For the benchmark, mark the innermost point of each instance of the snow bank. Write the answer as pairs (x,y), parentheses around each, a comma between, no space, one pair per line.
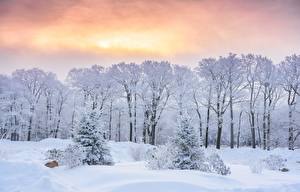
(22,169)
(128,151)
(28,177)
(25,151)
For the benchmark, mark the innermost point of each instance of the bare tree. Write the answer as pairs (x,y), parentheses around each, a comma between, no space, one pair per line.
(234,72)
(157,81)
(271,94)
(212,71)
(33,82)
(128,76)
(252,66)
(290,73)
(61,99)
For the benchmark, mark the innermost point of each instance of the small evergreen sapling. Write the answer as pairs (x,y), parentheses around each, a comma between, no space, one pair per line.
(188,154)
(90,137)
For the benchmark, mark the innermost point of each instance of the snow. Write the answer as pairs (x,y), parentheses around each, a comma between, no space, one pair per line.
(22,170)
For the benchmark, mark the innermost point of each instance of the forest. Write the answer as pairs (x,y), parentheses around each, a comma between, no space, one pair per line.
(232,101)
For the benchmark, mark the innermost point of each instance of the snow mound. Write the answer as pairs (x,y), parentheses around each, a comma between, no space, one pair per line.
(28,177)
(22,170)
(128,151)
(158,186)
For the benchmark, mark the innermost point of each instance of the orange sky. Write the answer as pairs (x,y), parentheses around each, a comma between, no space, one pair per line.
(57,35)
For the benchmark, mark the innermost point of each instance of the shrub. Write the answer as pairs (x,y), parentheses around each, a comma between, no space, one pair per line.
(73,156)
(161,157)
(274,162)
(54,155)
(216,165)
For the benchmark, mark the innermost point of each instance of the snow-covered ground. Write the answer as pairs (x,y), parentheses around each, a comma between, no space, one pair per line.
(22,170)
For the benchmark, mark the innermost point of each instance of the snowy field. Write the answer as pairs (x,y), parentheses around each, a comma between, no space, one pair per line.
(22,170)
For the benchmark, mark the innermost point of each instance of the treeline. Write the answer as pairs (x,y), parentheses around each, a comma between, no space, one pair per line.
(234,100)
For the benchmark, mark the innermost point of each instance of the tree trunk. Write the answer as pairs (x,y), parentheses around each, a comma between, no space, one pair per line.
(231,114)
(30,123)
(200,127)
(146,126)
(219,134)
(130,117)
(231,125)
(239,131)
(252,127)
(264,120)
(291,129)
(153,128)
(208,117)
(57,127)
(258,131)
(135,108)
(119,126)
(110,121)
(269,131)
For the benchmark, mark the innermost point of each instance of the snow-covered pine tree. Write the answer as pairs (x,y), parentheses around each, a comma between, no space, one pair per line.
(188,154)
(91,137)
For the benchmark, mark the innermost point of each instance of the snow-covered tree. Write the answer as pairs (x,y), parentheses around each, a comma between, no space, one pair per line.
(234,75)
(269,80)
(90,137)
(188,154)
(252,65)
(128,76)
(33,82)
(155,94)
(216,77)
(138,102)
(290,73)
(93,83)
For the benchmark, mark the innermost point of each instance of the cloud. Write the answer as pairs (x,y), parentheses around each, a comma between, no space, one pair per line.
(181,31)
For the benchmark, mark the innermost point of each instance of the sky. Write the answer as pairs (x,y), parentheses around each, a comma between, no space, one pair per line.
(57,35)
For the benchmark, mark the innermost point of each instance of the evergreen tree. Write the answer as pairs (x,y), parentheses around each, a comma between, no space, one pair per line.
(188,154)
(91,137)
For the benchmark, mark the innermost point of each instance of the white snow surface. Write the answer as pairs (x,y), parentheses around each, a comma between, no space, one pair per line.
(22,170)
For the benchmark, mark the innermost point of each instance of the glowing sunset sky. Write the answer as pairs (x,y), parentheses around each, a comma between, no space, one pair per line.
(57,35)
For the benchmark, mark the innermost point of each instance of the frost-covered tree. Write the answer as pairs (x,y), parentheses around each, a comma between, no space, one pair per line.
(33,82)
(91,138)
(234,75)
(93,83)
(142,101)
(271,92)
(214,74)
(182,87)
(157,79)
(206,82)
(290,73)
(252,65)
(128,76)
(188,154)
